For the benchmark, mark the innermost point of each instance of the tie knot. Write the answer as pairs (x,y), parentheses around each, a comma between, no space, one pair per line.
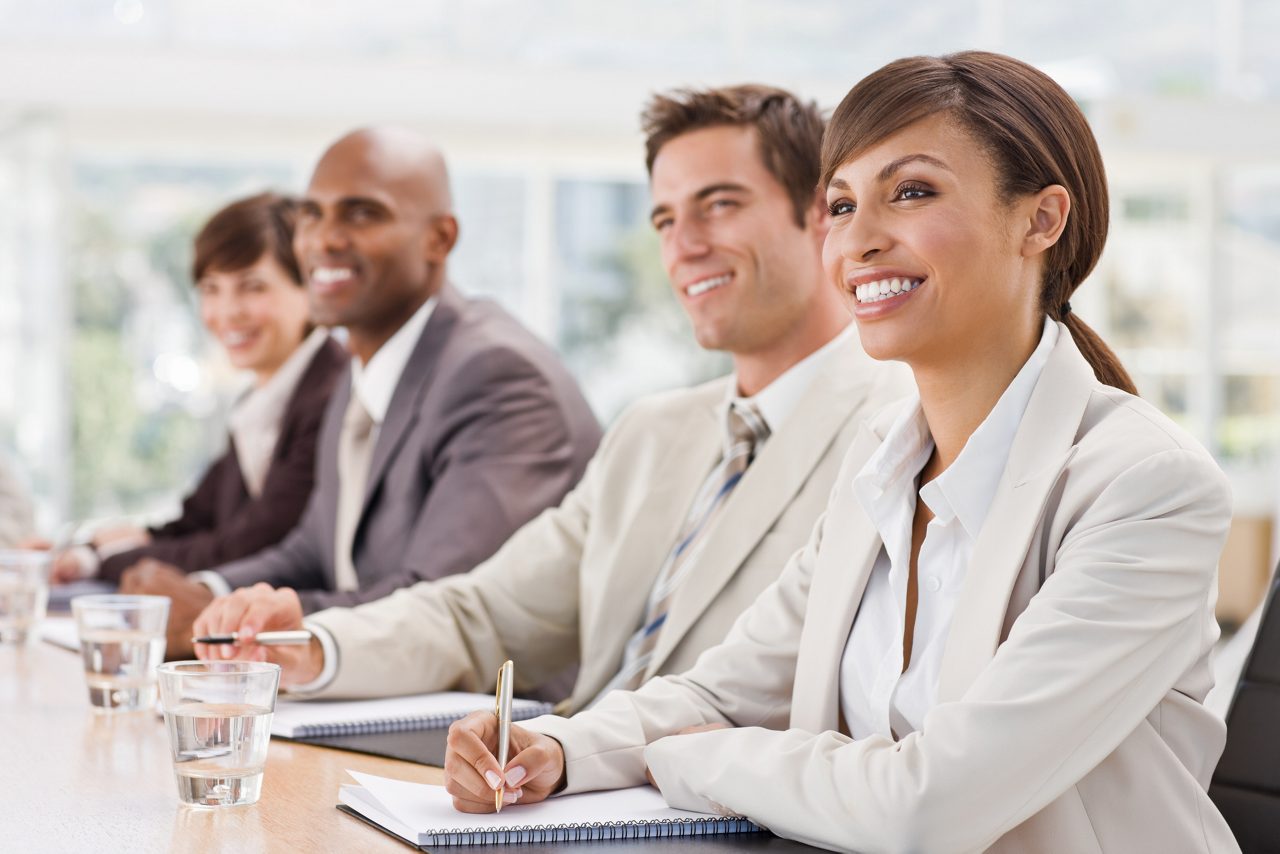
(357,421)
(746,426)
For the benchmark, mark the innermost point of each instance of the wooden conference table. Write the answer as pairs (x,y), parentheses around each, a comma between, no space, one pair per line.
(76,781)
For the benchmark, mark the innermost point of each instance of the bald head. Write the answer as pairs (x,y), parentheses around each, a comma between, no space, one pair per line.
(402,161)
(375,229)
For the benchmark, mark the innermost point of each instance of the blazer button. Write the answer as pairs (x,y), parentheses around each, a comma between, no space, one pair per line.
(933,583)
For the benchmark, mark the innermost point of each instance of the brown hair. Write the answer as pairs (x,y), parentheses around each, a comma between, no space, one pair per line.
(1035,135)
(245,230)
(789,130)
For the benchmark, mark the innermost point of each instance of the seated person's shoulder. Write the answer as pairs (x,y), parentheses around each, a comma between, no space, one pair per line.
(1120,431)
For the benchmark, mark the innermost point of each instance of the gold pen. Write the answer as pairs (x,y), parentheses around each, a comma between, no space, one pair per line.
(502,708)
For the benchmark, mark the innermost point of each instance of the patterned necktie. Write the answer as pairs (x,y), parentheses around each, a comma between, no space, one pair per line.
(355,446)
(747,429)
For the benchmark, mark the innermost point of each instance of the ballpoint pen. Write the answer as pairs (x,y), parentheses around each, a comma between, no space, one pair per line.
(502,709)
(300,636)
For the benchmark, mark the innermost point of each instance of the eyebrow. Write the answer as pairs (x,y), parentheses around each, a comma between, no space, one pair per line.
(709,190)
(345,201)
(887,172)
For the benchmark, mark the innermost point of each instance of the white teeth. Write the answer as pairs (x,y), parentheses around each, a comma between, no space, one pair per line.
(885,288)
(235,339)
(707,284)
(329,275)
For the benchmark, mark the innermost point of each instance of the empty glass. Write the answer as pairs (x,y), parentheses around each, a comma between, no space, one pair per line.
(122,643)
(219,718)
(24,592)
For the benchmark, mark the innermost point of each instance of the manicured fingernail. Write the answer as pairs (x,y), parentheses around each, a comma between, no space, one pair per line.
(515,775)
(492,778)
(509,797)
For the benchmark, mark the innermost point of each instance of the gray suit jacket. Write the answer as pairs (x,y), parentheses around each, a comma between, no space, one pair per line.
(571,586)
(485,429)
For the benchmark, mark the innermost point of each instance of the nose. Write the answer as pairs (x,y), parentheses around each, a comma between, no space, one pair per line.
(864,237)
(687,240)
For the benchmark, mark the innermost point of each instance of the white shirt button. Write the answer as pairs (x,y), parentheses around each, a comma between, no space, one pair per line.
(933,583)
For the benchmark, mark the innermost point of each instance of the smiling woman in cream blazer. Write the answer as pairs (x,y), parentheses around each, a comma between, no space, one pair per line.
(998,635)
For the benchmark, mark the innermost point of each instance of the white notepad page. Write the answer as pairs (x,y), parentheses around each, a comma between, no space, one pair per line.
(422,814)
(307,718)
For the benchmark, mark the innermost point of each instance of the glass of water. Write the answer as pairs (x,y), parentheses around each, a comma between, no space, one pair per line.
(24,592)
(219,719)
(122,643)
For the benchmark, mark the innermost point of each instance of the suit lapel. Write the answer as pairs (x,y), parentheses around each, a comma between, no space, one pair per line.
(847,554)
(767,489)
(402,413)
(1041,449)
(669,492)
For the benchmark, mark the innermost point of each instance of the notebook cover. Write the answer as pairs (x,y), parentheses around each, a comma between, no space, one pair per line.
(723,844)
(425,746)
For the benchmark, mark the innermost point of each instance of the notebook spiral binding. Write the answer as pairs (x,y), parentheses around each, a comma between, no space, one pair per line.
(408,723)
(516,835)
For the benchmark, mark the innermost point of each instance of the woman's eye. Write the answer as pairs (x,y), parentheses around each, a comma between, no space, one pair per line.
(910,192)
(841,208)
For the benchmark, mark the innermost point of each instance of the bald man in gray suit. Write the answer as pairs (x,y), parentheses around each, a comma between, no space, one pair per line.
(456,425)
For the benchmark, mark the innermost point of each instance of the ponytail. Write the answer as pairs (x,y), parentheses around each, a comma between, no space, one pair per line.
(1106,365)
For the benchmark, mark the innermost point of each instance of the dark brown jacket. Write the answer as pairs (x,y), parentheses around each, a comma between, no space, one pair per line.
(219,521)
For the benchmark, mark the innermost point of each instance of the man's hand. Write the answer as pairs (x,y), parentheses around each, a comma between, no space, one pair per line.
(186,600)
(260,608)
(472,774)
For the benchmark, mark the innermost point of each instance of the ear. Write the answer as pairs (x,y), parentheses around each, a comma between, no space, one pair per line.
(441,237)
(1047,213)
(817,217)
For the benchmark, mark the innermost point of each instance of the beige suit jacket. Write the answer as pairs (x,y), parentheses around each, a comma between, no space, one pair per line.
(570,587)
(1069,715)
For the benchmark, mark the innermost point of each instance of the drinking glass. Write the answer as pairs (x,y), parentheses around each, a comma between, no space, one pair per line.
(24,592)
(219,718)
(122,643)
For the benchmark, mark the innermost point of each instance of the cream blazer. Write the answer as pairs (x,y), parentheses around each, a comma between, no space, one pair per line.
(570,587)
(1069,715)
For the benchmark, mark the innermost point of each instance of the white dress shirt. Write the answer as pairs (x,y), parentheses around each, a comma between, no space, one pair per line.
(876,697)
(375,382)
(778,399)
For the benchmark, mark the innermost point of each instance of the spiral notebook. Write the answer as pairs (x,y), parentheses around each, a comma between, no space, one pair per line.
(320,718)
(423,815)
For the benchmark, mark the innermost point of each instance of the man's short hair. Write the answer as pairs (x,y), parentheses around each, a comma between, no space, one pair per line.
(789,130)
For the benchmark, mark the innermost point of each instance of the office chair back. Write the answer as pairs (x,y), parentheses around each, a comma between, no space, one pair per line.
(1246,784)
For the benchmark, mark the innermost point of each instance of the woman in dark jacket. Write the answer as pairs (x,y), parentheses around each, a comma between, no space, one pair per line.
(253,301)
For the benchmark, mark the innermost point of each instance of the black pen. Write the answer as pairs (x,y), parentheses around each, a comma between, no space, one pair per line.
(301,636)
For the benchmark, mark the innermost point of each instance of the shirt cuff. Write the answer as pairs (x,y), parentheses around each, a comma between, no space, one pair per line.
(87,560)
(330,668)
(216,583)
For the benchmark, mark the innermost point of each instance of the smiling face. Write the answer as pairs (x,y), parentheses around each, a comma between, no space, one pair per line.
(258,314)
(368,237)
(742,269)
(935,263)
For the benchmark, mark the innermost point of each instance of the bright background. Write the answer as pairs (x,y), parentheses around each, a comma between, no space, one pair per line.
(124,124)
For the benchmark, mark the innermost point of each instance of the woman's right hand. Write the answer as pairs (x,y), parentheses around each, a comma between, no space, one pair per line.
(472,773)
(260,608)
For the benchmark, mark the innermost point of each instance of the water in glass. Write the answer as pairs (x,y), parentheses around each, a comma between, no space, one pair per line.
(120,667)
(219,750)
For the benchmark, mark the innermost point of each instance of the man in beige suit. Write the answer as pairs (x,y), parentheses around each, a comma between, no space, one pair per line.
(695,499)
